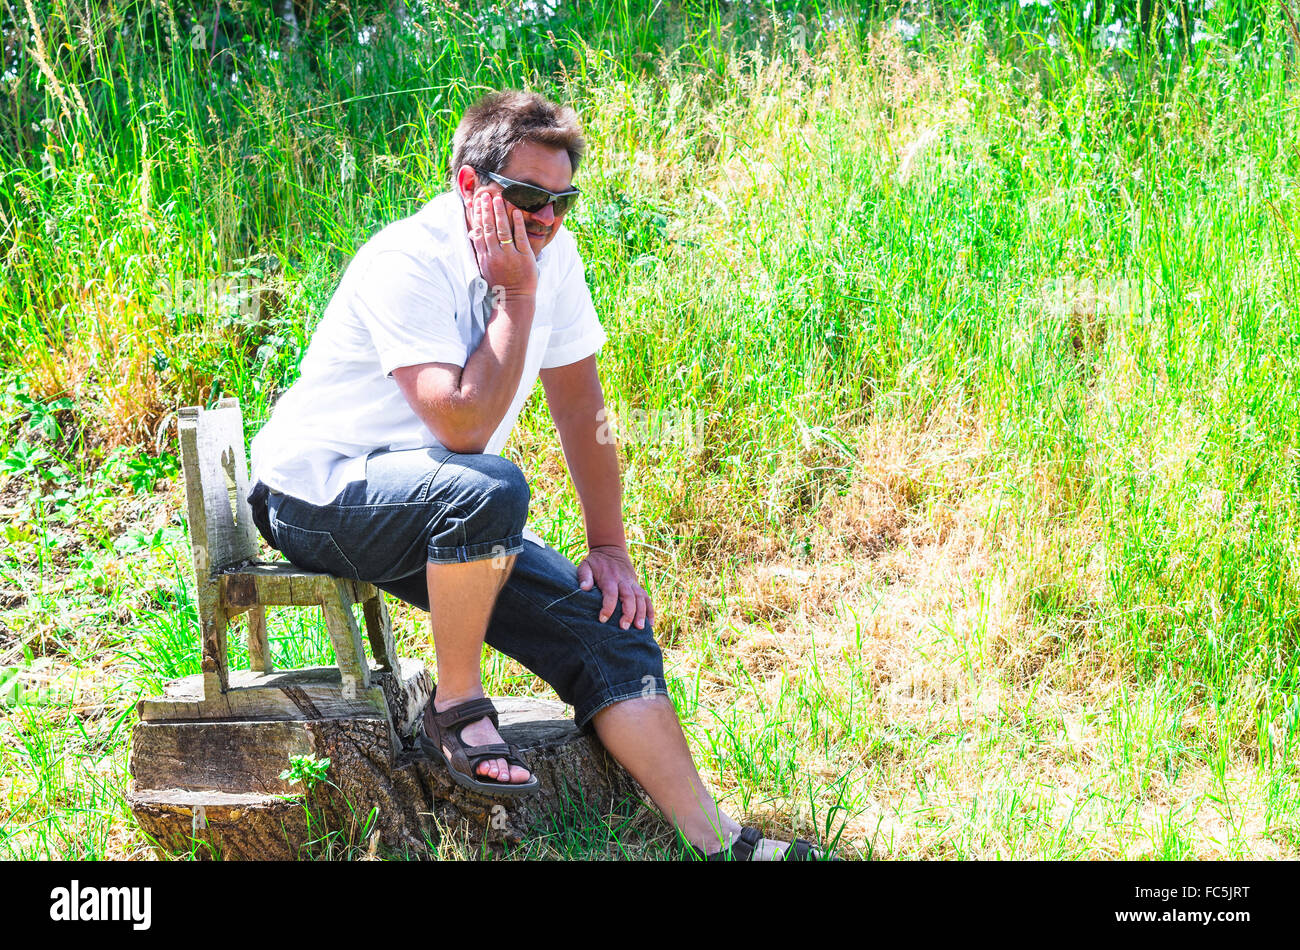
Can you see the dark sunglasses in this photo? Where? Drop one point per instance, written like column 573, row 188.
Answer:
column 530, row 198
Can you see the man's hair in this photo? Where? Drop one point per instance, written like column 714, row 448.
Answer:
column 493, row 126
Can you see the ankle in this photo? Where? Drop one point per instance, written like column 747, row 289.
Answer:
column 445, row 699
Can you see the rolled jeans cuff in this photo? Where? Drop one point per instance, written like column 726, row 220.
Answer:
column 482, row 551
column 636, row 689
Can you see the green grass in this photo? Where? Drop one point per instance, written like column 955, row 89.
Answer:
column 988, row 548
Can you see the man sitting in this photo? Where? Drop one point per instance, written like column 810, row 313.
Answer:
column 382, row 463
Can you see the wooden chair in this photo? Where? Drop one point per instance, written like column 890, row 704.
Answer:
column 231, row 580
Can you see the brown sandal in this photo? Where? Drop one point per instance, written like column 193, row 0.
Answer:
column 448, row 725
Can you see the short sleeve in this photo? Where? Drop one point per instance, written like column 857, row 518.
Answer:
column 407, row 304
column 576, row 332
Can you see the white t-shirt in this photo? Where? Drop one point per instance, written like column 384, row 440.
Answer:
column 412, row 294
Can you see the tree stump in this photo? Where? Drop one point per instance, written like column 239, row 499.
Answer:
column 206, row 778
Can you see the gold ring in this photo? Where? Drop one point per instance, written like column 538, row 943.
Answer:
column 507, row 241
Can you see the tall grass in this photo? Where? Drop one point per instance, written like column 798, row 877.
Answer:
column 993, row 334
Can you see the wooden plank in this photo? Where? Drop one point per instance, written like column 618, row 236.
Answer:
column 281, row 584
column 212, row 624
column 216, row 487
column 315, row 693
column 253, row 585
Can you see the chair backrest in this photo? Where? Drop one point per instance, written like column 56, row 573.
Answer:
column 216, row 488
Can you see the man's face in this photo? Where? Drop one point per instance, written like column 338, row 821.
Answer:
column 532, row 164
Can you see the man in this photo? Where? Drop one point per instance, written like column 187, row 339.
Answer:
column 382, row 463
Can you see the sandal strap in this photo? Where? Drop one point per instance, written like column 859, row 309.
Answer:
column 466, row 713
column 466, row 758
column 802, row 851
column 496, row 750
column 493, row 750
column 742, row 847
column 515, row 757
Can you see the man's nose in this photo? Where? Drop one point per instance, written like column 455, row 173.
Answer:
column 546, row 216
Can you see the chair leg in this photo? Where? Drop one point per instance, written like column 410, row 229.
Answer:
column 259, row 649
column 379, row 630
column 215, row 662
column 346, row 637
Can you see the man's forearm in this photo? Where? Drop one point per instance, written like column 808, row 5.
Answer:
column 593, row 464
column 491, row 375
column 463, row 405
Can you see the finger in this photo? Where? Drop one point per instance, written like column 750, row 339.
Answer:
column 487, row 221
column 479, row 201
column 642, row 605
column 521, row 234
column 628, row 597
column 584, row 575
column 501, row 222
column 476, row 231
column 608, row 602
column 649, row 610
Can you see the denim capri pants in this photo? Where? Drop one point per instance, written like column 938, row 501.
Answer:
column 434, row 506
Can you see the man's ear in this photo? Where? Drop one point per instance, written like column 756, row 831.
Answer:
column 466, row 182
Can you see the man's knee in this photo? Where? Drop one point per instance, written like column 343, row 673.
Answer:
column 504, row 488
column 479, row 512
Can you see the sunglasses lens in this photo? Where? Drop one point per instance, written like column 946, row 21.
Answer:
column 533, row 200
column 525, row 198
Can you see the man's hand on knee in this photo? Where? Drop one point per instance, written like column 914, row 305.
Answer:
column 609, row 568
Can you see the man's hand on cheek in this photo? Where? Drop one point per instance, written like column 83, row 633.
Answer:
column 505, row 258
column 609, row 568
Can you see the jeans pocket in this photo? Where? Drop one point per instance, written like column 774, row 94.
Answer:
column 314, row 550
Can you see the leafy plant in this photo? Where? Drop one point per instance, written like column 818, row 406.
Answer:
column 42, row 416
column 311, row 771
column 26, row 459
column 306, row 769
column 144, row 471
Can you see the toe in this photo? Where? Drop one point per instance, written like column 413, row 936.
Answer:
column 519, row 776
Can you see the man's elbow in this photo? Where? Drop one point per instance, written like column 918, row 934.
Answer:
column 462, row 445
column 448, row 411
column 461, row 436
